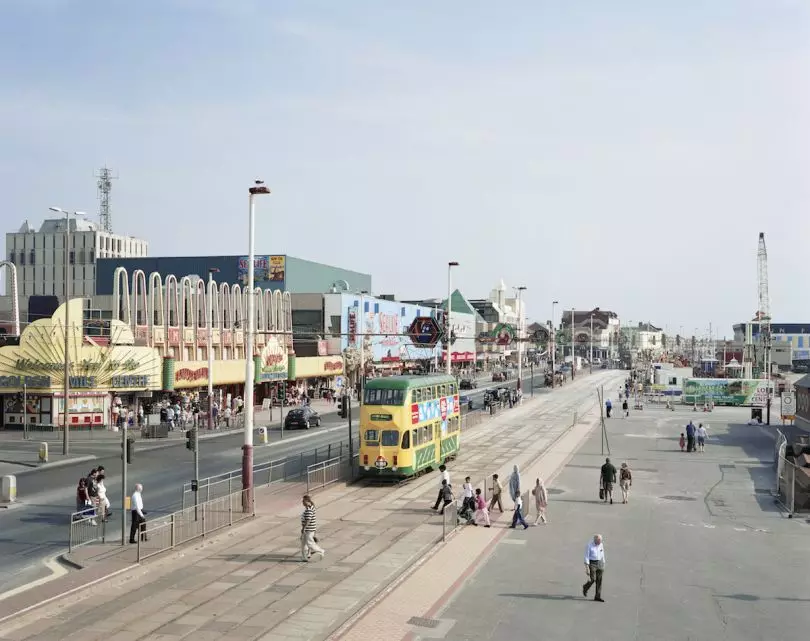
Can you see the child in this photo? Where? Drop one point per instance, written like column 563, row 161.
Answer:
column 682, row 442
column 481, row 511
column 518, row 516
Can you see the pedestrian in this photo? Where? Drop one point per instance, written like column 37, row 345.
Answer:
column 309, row 528
column 444, row 476
column 625, row 481
column 137, row 514
column 514, row 485
column 447, row 495
column 92, row 485
column 469, row 496
column 497, row 490
column 608, row 407
column 103, row 501
column 540, row 500
column 607, row 477
column 682, row 442
column 517, row 517
column 226, row 415
column 594, row 567
column 481, row 511
column 84, row 505
column 690, row 437
column 625, row 408
column 701, row 437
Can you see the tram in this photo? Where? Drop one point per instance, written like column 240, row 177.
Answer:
column 408, row 425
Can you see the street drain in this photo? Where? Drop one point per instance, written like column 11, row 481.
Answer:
column 422, row 622
column 678, row 498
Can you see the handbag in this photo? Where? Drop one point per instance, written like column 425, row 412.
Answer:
column 601, row 494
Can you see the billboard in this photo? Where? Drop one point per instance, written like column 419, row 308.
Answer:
column 727, row 391
column 265, row 269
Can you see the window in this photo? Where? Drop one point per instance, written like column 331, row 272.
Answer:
column 92, row 256
column 385, row 397
column 72, row 258
column 417, row 396
column 427, row 434
column 416, row 440
column 11, row 257
column 32, row 258
column 22, row 258
column 372, row 436
column 390, row 438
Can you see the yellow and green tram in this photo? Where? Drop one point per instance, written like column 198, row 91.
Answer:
column 408, row 425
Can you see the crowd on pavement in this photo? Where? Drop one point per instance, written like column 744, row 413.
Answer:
column 91, row 497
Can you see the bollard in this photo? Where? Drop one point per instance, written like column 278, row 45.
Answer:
column 9, row 489
column 43, row 452
column 263, row 435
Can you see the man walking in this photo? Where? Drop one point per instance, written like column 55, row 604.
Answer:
column 594, row 567
column 309, row 526
column 701, row 438
column 497, row 490
column 138, row 516
column 607, row 476
column 690, row 437
column 444, row 479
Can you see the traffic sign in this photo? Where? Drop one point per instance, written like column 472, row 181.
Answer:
column 425, row 331
column 788, row 406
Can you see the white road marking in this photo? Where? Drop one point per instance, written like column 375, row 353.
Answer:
column 57, row 570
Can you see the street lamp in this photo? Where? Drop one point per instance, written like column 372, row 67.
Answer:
column 520, row 290
column 573, row 363
column 362, row 381
column 66, row 384
column 449, row 335
column 211, row 294
column 591, row 357
column 553, row 343
column 258, row 189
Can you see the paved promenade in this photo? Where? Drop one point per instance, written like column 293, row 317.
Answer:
column 699, row 553
column 248, row 583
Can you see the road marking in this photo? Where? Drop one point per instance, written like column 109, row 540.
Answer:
column 52, row 564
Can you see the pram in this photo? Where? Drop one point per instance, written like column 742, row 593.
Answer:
column 466, row 513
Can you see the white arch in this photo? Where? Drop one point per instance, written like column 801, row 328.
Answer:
column 121, row 298
column 138, row 297
column 172, row 287
column 186, row 320
column 15, row 299
column 225, row 310
column 156, row 303
column 238, row 310
column 270, row 315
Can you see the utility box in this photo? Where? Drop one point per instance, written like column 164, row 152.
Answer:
column 8, row 493
column 43, row 452
column 263, row 435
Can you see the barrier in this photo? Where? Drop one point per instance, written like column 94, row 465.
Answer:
column 322, row 474
column 167, row 532
column 86, row 527
column 449, row 520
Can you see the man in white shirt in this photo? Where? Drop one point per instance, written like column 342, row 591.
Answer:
column 444, row 476
column 701, row 438
column 138, row 521
column 594, row 566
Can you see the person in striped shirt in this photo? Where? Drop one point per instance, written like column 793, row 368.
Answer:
column 309, row 526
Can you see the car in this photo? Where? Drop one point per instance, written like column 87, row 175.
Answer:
column 497, row 377
column 304, row 417
column 468, row 383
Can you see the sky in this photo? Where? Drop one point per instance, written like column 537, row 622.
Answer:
column 622, row 155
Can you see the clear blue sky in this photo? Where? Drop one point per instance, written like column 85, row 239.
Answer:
column 616, row 154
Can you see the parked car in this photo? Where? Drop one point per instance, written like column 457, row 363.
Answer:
column 304, row 417
column 497, row 377
column 468, row 383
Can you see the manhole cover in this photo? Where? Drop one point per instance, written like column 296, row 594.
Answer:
column 422, row 622
column 678, row 498
column 554, row 490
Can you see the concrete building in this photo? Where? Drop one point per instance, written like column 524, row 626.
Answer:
column 497, row 309
column 39, row 256
column 597, row 325
column 792, row 337
column 644, row 337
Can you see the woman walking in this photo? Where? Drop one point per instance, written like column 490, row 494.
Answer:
column 540, row 501
column 514, row 485
column 481, row 512
column 103, row 501
column 626, row 481
column 83, row 503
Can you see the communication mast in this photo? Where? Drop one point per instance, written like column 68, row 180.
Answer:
column 105, row 178
column 764, row 312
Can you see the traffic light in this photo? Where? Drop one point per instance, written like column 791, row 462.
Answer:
column 191, row 440
column 343, row 406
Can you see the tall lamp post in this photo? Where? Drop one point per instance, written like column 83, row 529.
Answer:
column 449, row 335
column 553, row 344
column 211, row 294
column 258, row 189
column 520, row 291
column 591, row 356
column 573, row 361
column 66, row 385
column 362, row 382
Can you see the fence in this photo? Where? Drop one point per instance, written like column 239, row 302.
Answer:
column 86, row 527
column 193, row 522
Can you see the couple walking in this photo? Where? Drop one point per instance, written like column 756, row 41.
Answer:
column 607, row 479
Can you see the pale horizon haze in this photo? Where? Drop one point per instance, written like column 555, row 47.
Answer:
column 621, row 154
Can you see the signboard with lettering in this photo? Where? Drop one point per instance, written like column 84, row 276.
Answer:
column 425, row 331
column 273, row 361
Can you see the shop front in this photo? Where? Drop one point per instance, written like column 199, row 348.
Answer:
column 106, row 381
column 317, row 374
column 188, row 381
column 272, row 371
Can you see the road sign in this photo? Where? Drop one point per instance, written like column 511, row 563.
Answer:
column 338, row 382
column 788, row 406
column 425, row 331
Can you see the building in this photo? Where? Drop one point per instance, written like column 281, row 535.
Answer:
column 802, row 389
column 794, row 337
column 644, row 337
column 39, row 257
column 595, row 328
column 498, row 310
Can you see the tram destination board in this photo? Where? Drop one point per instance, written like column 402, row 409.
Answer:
column 425, row 331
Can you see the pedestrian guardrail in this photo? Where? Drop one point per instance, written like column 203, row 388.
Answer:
column 327, row 472
column 195, row 522
column 86, row 527
column 449, row 520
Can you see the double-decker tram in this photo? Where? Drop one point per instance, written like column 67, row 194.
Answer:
column 408, row 425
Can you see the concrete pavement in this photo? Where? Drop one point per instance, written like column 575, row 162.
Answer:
column 701, row 551
column 372, row 534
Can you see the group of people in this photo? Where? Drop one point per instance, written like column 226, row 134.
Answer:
column 694, row 434
column 608, row 475
column 91, row 496
column 474, row 509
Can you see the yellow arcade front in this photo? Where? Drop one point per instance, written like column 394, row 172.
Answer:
column 408, row 425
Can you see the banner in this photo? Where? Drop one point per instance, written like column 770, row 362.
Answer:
column 277, row 269
column 261, row 269
column 727, row 391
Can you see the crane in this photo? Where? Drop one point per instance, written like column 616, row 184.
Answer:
column 764, row 311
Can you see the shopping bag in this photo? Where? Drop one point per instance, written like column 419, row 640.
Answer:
column 601, row 494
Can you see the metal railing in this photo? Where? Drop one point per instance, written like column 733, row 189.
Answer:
column 167, row 532
column 86, row 527
column 449, row 520
column 325, row 473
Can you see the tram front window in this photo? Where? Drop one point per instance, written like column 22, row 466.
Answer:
column 385, row 397
column 390, row 438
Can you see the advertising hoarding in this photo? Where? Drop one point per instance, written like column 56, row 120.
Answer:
column 727, row 391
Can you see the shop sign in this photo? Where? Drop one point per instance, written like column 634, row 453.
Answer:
column 129, row 381
column 352, row 326
column 273, row 360
column 190, row 375
column 37, row 382
column 333, row 366
column 79, row 366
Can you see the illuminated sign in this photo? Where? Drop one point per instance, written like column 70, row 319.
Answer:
column 25, row 381
column 129, row 381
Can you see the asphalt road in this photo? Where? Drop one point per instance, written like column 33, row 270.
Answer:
column 39, row 528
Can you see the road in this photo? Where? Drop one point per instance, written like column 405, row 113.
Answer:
column 38, row 529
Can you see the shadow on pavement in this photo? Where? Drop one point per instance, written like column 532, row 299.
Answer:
column 545, row 597
column 259, row 558
column 754, row 597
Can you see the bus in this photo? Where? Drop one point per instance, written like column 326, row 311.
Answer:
column 408, row 425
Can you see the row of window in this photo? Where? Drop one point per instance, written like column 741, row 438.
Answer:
column 399, row 397
column 81, row 257
column 416, row 437
column 105, row 243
